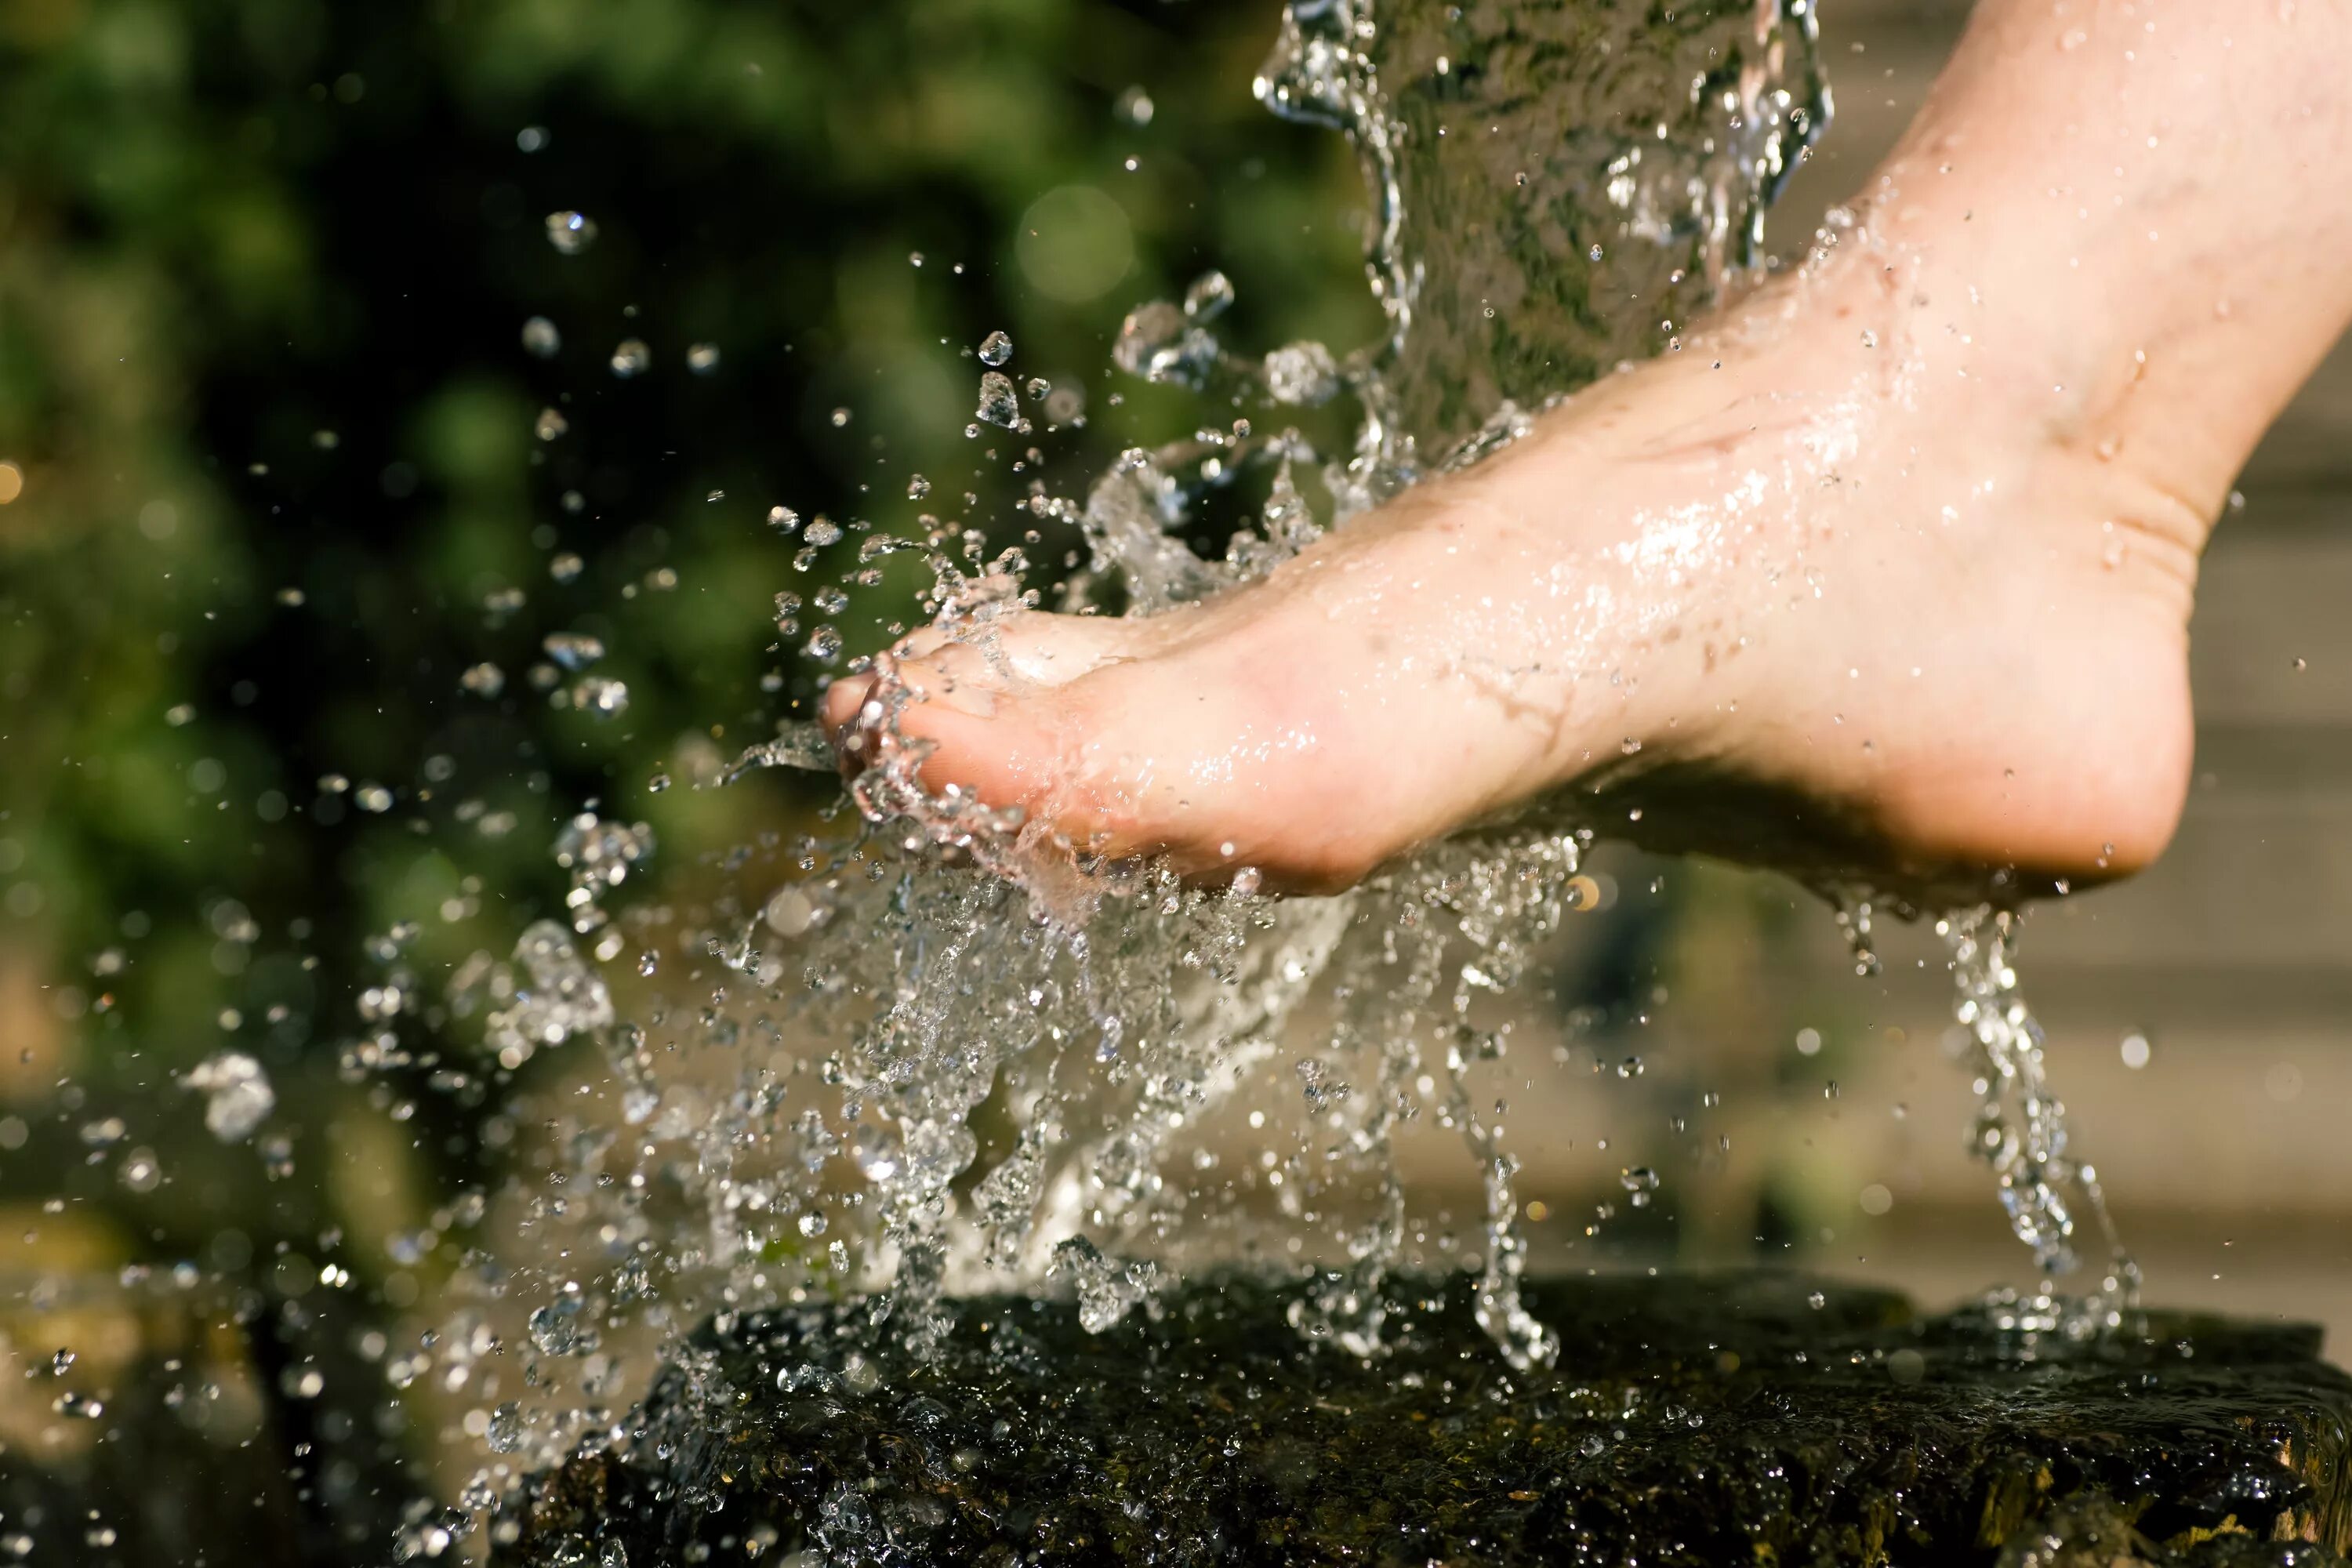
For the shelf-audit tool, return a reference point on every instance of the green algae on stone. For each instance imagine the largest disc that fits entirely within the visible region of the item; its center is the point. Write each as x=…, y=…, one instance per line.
x=1748, y=1418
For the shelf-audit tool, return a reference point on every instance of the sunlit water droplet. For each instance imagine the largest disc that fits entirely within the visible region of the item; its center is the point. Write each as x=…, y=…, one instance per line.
x=573, y=650
x=1209, y=296
x=571, y=232
x=998, y=406
x=237, y=1094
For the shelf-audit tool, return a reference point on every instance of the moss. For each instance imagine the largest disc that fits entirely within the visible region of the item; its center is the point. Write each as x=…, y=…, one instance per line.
x=1698, y=1420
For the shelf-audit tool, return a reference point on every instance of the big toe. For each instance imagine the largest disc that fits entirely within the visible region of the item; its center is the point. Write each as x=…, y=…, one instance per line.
x=991, y=710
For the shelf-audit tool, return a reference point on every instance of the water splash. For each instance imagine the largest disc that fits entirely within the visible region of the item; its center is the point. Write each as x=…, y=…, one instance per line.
x=941, y=1054
x=2048, y=1193
x=1603, y=157
x=1727, y=95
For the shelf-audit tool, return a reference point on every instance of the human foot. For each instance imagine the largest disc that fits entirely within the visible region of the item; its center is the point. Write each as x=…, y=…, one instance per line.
x=1886, y=575
x=1798, y=592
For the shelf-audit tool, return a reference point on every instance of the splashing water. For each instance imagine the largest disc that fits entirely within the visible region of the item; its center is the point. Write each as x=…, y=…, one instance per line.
x=1601, y=153
x=947, y=1057
x=1680, y=207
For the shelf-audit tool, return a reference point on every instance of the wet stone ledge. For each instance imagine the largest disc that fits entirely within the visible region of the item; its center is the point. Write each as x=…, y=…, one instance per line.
x=1700, y=1420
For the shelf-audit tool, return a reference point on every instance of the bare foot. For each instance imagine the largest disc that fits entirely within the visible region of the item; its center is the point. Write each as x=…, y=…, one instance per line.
x=1886, y=575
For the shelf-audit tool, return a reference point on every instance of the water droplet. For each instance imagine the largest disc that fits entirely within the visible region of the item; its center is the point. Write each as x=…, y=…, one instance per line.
x=141, y=1172
x=556, y=1328
x=918, y=488
x=784, y=519
x=1107, y=1288
x=573, y=650
x=1159, y=343
x=541, y=338
x=1211, y=293
x=237, y=1094
x=504, y=1434
x=1135, y=107
x=822, y=531
x=1303, y=373
x=565, y=566
x=484, y=679
x=571, y=232
x=702, y=358
x=997, y=403
x=995, y=349
x=601, y=696
x=632, y=357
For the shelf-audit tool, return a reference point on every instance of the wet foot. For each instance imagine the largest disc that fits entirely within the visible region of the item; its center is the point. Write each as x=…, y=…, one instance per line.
x=1887, y=574
x=1849, y=581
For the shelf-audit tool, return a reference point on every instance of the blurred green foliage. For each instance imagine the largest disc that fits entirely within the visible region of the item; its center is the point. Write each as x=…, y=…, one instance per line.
x=270, y=425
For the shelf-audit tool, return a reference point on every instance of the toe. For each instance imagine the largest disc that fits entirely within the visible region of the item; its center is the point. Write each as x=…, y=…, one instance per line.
x=993, y=710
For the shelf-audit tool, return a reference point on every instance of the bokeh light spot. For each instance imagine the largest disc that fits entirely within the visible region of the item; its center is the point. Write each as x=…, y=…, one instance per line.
x=1075, y=243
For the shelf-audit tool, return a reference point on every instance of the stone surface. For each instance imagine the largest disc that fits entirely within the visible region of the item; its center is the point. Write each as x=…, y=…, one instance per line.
x=1749, y=1418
